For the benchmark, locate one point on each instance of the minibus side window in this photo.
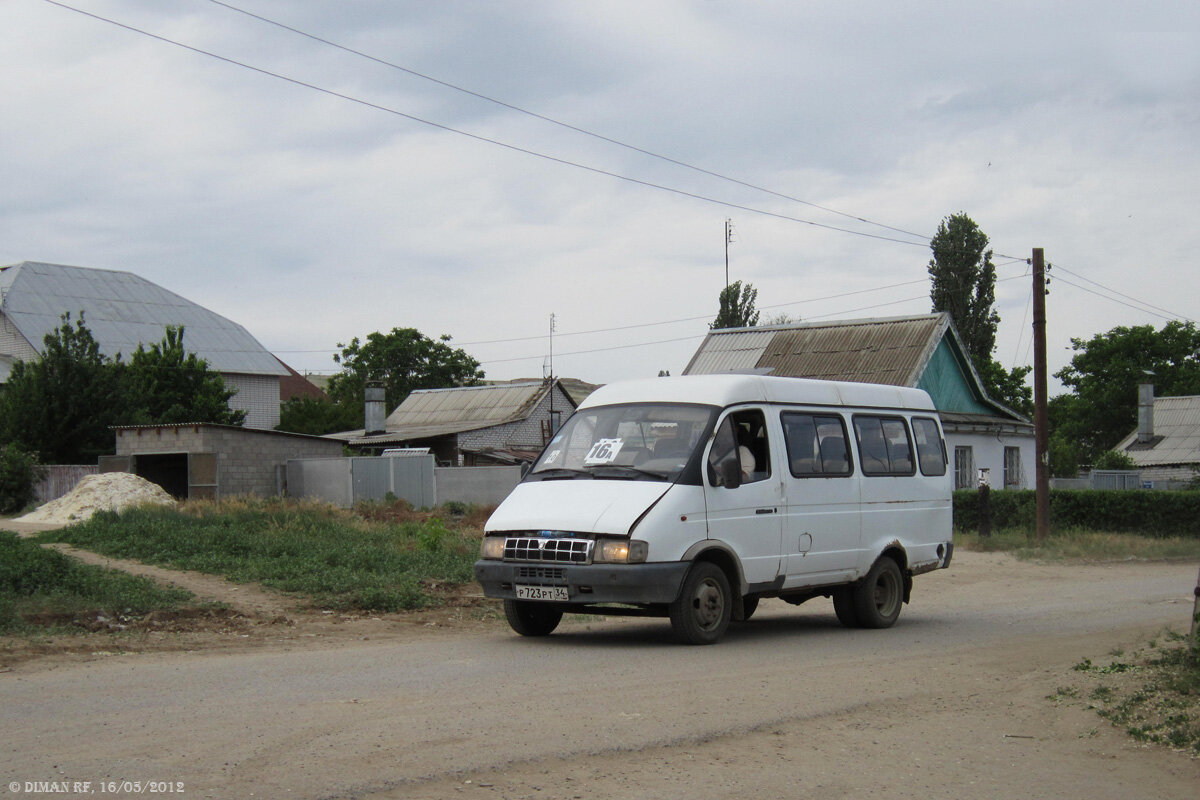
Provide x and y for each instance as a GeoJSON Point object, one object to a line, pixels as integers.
{"type": "Point", "coordinates": [929, 446]}
{"type": "Point", "coordinates": [816, 444]}
{"type": "Point", "coordinates": [883, 446]}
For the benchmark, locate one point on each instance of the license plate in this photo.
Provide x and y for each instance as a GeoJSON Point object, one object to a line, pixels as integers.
{"type": "Point", "coordinates": [552, 593]}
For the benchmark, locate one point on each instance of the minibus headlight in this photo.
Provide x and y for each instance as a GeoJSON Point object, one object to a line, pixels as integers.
{"type": "Point", "coordinates": [492, 548]}
{"type": "Point", "coordinates": [619, 551]}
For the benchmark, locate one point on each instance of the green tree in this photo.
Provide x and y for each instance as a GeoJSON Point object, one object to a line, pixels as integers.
{"type": "Point", "coordinates": [736, 307]}
{"type": "Point", "coordinates": [61, 405]}
{"type": "Point", "coordinates": [963, 283]}
{"type": "Point", "coordinates": [165, 384]}
{"type": "Point", "coordinates": [318, 416]}
{"type": "Point", "coordinates": [19, 475]}
{"type": "Point", "coordinates": [402, 360]}
{"type": "Point", "coordinates": [1114, 459]}
{"type": "Point", "coordinates": [1104, 374]}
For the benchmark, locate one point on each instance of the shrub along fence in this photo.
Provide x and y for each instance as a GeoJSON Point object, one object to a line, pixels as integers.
{"type": "Point", "coordinates": [1143, 512]}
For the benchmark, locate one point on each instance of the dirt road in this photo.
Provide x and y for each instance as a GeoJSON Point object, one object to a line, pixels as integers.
{"type": "Point", "coordinates": [951, 703]}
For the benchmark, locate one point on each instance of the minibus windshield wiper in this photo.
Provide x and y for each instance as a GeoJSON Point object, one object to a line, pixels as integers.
{"type": "Point", "coordinates": [562, 473]}
{"type": "Point", "coordinates": [625, 471]}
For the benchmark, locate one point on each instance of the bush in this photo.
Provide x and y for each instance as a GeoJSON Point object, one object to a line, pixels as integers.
{"type": "Point", "coordinates": [1143, 512]}
{"type": "Point", "coordinates": [1114, 459]}
{"type": "Point", "coordinates": [19, 474]}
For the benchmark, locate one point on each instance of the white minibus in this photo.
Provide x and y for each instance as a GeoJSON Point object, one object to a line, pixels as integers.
{"type": "Point", "coordinates": [696, 497]}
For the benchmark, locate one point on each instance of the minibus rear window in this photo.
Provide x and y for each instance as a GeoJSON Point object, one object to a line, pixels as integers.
{"type": "Point", "coordinates": [929, 446]}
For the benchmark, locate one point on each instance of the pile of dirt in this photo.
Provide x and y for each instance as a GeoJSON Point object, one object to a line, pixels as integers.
{"type": "Point", "coordinates": [108, 491]}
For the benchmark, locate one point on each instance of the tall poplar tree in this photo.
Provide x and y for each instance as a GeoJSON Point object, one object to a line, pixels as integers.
{"type": "Point", "coordinates": [963, 283]}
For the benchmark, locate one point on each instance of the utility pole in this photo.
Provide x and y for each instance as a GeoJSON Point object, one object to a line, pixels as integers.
{"type": "Point", "coordinates": [552, 374]}
{"type": "Point", "coordinates": [728, 240]}
{"type": "Point", "coordinates": [1041, 419]}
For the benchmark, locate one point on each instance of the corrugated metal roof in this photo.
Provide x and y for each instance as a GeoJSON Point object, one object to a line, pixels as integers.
{"type": "Point", "coordinates": [123, 310]}
{"type": "Point", "coordinates": [477, 406]}
{"type": "Point", "coordinates": [1177, 422]}
{"type": "Point", "coordinates": [891, 351]}
{"type": "Point", "coordinates": [428, 413]}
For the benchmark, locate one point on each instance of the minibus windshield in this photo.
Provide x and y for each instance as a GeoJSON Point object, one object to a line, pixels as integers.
{"type": "Point", "coordinates": [637, 441]}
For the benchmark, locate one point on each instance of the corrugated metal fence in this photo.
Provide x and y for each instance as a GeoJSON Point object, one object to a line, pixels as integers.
{"type": "Point", "coordinates": [346, 481]}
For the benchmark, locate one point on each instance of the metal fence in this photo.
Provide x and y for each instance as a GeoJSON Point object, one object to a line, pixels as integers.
{"type": "Point", "coordinates": [346, 481]}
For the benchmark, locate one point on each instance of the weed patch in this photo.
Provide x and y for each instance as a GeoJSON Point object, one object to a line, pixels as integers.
{"type": "Point", "coordinates": [1154, 696]}
{"type": "Point", "coordinates": [1082, 545]}
{"type": "Point", "coordinates": [43, 589]}
{"type": "Point", "coordinates": [384, 558]}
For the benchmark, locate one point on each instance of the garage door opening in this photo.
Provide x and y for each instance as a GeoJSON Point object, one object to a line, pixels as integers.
{"type": "Point", "coordinates": [168, 470]}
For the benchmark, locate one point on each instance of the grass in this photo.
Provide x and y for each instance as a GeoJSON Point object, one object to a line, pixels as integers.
{"type": "Point", "coordinates": [381, 557]}
{"type": "Point", "coordinates": [1153, 696]}
{"type": "Point", "coordinates": [44, 590]}
{"type": "Point", "coordinates": [1082, 545]}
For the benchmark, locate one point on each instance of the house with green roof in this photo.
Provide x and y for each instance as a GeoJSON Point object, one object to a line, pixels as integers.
{"type": "Point", "coordinates": [922, 351]}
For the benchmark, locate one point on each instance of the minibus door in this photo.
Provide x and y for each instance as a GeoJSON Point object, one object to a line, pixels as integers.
{"type": "Point", "coordinates": [743, 494]}
{"type": "Point", "coordinates": [822, 523]}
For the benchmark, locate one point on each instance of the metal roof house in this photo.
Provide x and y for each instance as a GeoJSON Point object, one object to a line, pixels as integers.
{"type": "Point", "coordinates": [1166, 444]}
{"type": "Point", "coordinates": [474, 425]}
{"type": "Point", "coordinates": [123, 310]}
{"type": "Point", "coordinates": [922, 351]}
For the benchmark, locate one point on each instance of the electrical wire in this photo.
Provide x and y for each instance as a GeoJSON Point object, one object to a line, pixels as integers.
{"type": "Point", "coordinates": [484, 139]}
{"type": "Point", "coordinates": [1173, 315]}
{"type": "Point", "coordinates": [560, 123]}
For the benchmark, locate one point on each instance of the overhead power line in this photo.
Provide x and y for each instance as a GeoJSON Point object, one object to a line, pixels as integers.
{"type": "Point", "coordinates": [561, 124]}
{"type": "Point", "coordinates": [480, 138]}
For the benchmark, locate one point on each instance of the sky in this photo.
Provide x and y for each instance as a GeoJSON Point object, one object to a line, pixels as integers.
{"type": "Point", "coordinates": [314, 194]}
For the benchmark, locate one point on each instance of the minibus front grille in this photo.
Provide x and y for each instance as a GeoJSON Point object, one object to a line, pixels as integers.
{"type": "Point", "coordinates": [548, 575]}
{"type": "Point", "coordinates": [568, 551]}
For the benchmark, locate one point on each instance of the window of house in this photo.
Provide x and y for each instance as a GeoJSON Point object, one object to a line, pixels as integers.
{"type": "Point", "coordinates": [929, 446]}
{"type": "Point", "coordinates": [816, 444]}
{"type": "Point", "coordinates": [883, 445]}
{"type": "Point", "coordinates": [1013, 479]}
{"type": "Point", "coordinates": [964, 468]}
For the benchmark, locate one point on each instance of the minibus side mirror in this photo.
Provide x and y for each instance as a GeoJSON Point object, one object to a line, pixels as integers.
{"type": "Point", "coordinates": [731, 473]}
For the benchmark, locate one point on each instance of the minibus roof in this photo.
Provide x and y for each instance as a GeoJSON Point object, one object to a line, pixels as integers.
{"type": "Point", "coordinates": [728, 390]}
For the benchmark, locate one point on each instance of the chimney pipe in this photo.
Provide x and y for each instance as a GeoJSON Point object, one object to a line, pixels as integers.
{"type": "Point", "coordinates": [1145, 431]}
{"type": "Point", "coordinates": [376, 409]}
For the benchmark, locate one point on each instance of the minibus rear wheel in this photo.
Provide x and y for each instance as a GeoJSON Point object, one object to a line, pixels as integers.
{"type": "Point", "coordinates": [532, 619]}
{"type": "Point", "coordinates": [701, 612]}
{"type": "Point", "coordinates": [877, 600]}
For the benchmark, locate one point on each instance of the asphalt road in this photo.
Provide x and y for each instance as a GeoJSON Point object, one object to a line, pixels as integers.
{"type": "Point", "coordinates": [949, 703]}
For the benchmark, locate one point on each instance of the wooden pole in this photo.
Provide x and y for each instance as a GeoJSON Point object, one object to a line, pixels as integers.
{"type": "Point", "coordinates": [1041, 420]}
{"type": "Point", "coordinates": [1196, 615]}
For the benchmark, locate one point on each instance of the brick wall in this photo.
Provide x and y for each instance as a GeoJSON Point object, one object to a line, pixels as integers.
{"type": "Point", "coordinates": [258, 396]}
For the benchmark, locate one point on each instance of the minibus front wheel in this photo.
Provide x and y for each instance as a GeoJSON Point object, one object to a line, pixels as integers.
{"type": "Point", "coordinates": [701, 612]}
{"type": "Point", "coordinates": [532, 619]}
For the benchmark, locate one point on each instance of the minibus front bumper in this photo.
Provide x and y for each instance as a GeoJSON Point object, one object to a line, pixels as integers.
{"type": "Point", "coordinates": [586, 583]}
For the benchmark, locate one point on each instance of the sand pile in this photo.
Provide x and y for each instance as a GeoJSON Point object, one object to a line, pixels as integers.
{"type": "Point", "coordinates": [108, 491]}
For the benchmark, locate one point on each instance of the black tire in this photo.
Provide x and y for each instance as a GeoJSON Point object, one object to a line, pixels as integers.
{"type": "Point", "coordinates": [749, 606]}
{"type": "Point", "coordinates": [701, 613]}
{"type": "Point", "coordinates": [878, 599]}
{"type": "Point", "coordinates": [532, 619]}
{"type": "Point", "coordinates": [843, 606]}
